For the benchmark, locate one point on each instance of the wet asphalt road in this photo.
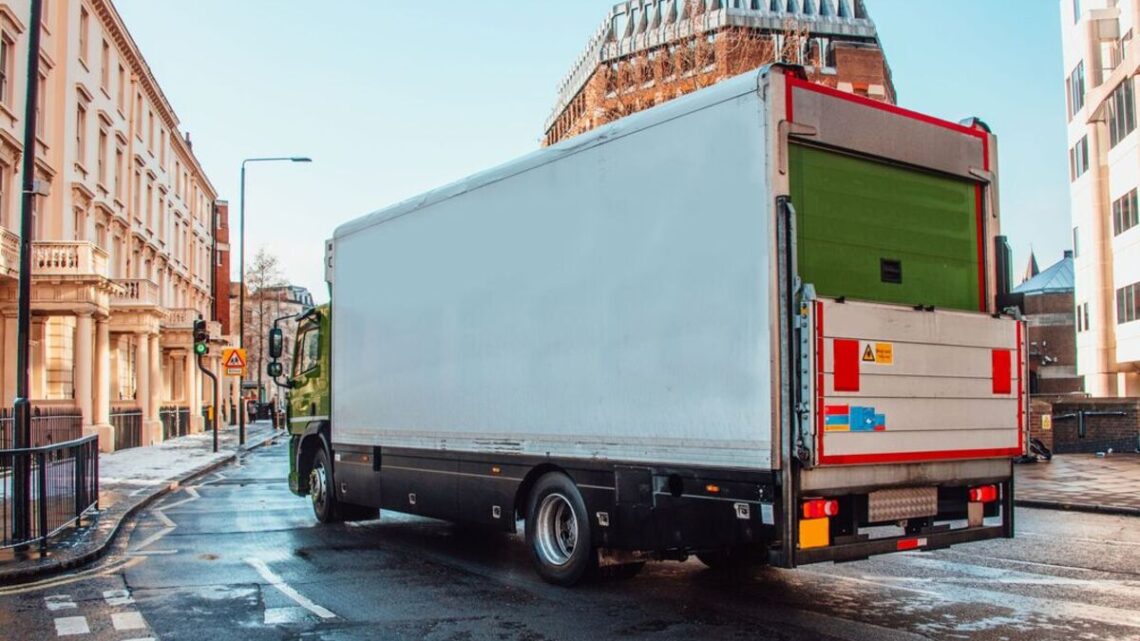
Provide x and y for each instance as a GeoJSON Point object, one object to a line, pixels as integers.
{"type": "Point", "coordinates": [236, 556]}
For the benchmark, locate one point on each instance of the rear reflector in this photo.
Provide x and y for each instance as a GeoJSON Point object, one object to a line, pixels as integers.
{"type": "Point", "coordinates": [983, 494]}
{"type": "Point", "coordinates": [1002, 371]}
{"type": "Point", "coordinates": [820, 508]}
{"type": "Point", "coordinates": [910, 544]}
{"type": "Point", "coordinates": [846, 354]}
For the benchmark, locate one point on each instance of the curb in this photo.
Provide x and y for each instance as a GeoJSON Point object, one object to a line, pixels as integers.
{"type": "Point", "coordinates": [1078, 507]}
{"type": "Point", "coordinates": [56, 566]}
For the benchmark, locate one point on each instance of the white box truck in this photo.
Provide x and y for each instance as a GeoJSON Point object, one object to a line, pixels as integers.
{"type": "Point", "coordinates": [754, 324]}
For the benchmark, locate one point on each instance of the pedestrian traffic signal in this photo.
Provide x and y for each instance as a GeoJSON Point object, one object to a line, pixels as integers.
{"type": "Point", "coordinates": [201, 337]}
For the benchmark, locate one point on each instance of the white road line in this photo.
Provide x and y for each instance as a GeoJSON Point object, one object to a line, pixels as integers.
{"type": "Point", "coordinates": [175, 504]}
{"type": "Point", "coordinates": [288, 590]}
{"type": "Point", "coordinates": [118, 597]}
{"type": "Point", "coordinates": [152, 538]}
{"type": "Point", "coordinates": [70, 626]}
{"type": "Point", "coordinates": [152, 552]}
{"type": "Point", "coordinates": [161, 516]}
{"type": "Point", "coordinates": [192, 491]}
{"type": "Point", "coordinates": [59, 602]}
{"type": "Point", "coordinates": [128, 621]}
{"type": "Point", "coordinates": [111, 568]}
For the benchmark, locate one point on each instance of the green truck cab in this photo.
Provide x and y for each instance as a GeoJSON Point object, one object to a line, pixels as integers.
{"type": "Point", "coordinates": [307, 411]}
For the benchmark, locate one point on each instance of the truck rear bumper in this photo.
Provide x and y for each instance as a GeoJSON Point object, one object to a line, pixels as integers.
{"type": "Point", "coordinates": [935, 540]}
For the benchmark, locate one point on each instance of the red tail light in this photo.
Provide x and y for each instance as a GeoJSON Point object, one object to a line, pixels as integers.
{"type": "Point", "coordinates": [984, 494]}
{"type": "Point", "coordinates": [820, 508]}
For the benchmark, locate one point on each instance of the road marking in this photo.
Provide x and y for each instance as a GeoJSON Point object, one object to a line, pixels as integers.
{"type": "Point", "coordinates": [127, 620]}
{"type": "Point", "coordinates": [112, 568]}
{"type": "Point", "coordinates": [59, 602]}
{"type": "Point", "coordinates": [118, 597]}
{"type": "Point", "coordinates": [192, 491]}
{"type": "Point", "coordinates": [287, 590]}
{"type": "Point", "coordinates": [71, 626]}
{"type": "Point", "coordinates": [154, 537]}
{"type": "Point", "coordinates": [161, 516]}
{"type": "Point", "coordinates": [277, 616]}
{"type": "Point", "coordinates": [152, 552]}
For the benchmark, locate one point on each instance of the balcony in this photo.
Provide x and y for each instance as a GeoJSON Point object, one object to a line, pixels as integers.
{"type": "Point", "coordinates": [68, 259]}
{"type": "Point", "coordinates": [9, 254]}
{"type": "Point", "coordinates": [136, 293]}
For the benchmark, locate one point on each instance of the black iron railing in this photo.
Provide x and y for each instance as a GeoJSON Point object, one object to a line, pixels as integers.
{"type": "Point", "coordinates": [49, 425]}
{"type": "Point", "coordinates": [128, 427]}
{"type": "Point", "coordinates": [175, 421]}
{"type": "Point", "coordinates": [62, 482]}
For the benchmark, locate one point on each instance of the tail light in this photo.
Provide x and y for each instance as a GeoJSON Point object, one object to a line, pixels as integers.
{"type": "Point", "coordinates": [983, 494]}
{"type": "Point", "coordinates": [820, 508]}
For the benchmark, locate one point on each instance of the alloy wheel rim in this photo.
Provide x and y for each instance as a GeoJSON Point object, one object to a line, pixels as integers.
{"type": "Point", "coordinates": [556, 529]}
{"type": "Point", "coordinates": [317, 486]}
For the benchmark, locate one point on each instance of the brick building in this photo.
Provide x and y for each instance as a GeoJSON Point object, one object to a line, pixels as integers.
{"type": "Point", "coordinates": [1046, 300]}
{"type": "Point", "coordinates": [649, 51]}
{"type": "Point", "coordinates": [222, 265]}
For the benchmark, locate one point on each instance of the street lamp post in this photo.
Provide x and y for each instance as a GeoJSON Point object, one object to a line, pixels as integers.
{"type": "Point", "coordinates": [241, 288]}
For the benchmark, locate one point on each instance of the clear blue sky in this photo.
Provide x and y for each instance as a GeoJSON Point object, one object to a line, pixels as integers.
{"type": "Point", "coordinates": [395, 98]}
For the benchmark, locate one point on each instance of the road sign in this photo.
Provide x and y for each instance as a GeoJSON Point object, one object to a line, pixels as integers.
{"type": "Point", "coordinates": [234, 361]}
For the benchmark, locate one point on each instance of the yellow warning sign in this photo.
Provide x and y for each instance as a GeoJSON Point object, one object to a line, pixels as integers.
{"type": "Point", "coordinates": [233, 359]}
{"type": "Point", "coordinates": [879, 353]}
{"type": "Point", "coordinates": [1046, 422]}
{"type": "Point", "coordinates": [885, 353]}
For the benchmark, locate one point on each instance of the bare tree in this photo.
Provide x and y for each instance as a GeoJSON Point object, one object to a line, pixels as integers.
{"type": "Point", "coordinates": [261, 277]}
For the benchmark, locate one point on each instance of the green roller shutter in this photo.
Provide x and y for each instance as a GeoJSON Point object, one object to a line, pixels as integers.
{"type": "Point", "coordinates": [872, 231]}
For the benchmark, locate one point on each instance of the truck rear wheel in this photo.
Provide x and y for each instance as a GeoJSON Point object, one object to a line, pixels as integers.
{"type": "Point", "coordinates": [558, 530]}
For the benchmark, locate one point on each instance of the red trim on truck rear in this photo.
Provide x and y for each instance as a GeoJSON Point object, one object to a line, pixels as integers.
{"type": "Point", "coordinates": [819, 375]}
{"type": "Point", "coordinates": [1001, 373]}
{"type": "Point", "coordinates": [979, 204]}
{"type": "Point", "coordinates": [1020, 393]}
{"type": "Point", "coordinates": [845, 353]}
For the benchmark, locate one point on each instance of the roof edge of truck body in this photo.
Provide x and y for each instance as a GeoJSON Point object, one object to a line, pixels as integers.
{"type": "Point", "coordinates": [721, 92]}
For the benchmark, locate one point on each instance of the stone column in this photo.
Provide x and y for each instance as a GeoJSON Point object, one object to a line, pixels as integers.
{"type": "Point", "coordinates": [155, 386]}
{"type": "Point", "coordinates": [143, 382]}
{"type": "Point", "coordinates": [83, 363]}
{"type": "Point", "coordinates": [193, 391]}
{"type": "Point", "coordinates": [37, 355]}
{"type": "Point", "coordinates": [9, 373]}
{"type": "Point", "coordinates": [102, 398]}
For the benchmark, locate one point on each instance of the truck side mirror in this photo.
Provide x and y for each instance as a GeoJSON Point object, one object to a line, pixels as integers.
{"type": "Point", "coordinates": [276, 343]}
{"type": "Point", "coordinates": [273, 369]}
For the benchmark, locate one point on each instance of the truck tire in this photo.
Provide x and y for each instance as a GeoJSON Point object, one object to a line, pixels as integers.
{"type": "Point", "coordinates": [321, 488]}
{"type": "Point", "coordinates": [558, 530]}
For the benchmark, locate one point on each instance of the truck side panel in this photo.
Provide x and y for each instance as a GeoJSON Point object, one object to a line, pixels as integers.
{"type": "Point", "coordinates": [611, 303]}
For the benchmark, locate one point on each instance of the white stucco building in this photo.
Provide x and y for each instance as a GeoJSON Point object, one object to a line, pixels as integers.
{"type": "Point", "coordinates": [1101, 61]}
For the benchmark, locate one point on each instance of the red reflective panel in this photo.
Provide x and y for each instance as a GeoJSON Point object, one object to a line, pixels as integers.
{"type": "Point", "coordinates": [1002, 371]}
{"type": "Point", "coordinates": [846, 365]}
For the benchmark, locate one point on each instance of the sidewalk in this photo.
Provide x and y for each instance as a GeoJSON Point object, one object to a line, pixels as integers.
{"type": "Point", "coordinates": [128, 481]}
{"type": "Point", "coordinates": [1081, 482]}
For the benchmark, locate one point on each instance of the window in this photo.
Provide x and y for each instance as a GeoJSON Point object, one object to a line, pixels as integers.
{"type": "Point", "coordinates": [41, 100]}
{"type": "Point", "coordinates": [1076, 11]}
{"type": "Point", "coordinates": [5, 70]}
{"type": "Point", "coordinates": [1076, 242]}
{"type": "Point", "coordinates": [81, 134]}
{"type": "Point", "coordinates": [101, 161]}
{"type": "Point", "coordinates": [1128, 304]}
{"type": "Point", "coordinates": [150, 130]}
{"type": "Point", "coordinates": [1079, 158]}
{"type": "Point", "coordinates": [120, 95]}
{"type": "Point", "coordinates": [1121, 113]}
{"type": "Point", "coordinates": [137, 196]}
{"type": "Point", "coordinates": [83, 20]}
{"type": "Point", "coordinates": [5, 191]}
{"type": "Point", "coordinates": [149, 206]}
{"type": "Point", "coordinates": [1082, 317]}
{"type": "Point", "coordinates": [105, 67]}
{"type": "Point", "coordinates": [119, 173]}
{"type": "Point", "coordinates": [308, 351]}
{"type": "Point", "coordinates": [1124, 213]}
{"type": "Point", "coordinates": [1076, 89]}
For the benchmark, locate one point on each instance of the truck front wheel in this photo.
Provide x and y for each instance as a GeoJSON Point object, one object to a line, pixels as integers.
{"type": "Point", "coordinates": [558, 530]}
{"type": "Point", "coordinates": [321, 488]}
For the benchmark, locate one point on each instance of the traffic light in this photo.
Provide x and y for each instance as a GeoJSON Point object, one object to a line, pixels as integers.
{"type": "Point", "coordinates": [201, 337]}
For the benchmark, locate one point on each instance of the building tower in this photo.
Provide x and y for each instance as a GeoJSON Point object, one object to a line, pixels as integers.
{"type": "Point", "coordinates": [649, 51]}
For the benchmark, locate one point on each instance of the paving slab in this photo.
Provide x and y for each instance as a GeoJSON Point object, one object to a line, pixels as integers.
{"type": "Point", "coordinates": [1082, 482]}
{"type": "Point", "coordinates": [128, 481]}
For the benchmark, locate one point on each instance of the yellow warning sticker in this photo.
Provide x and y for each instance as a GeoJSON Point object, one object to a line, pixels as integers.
{"type": "Point", "coordinates": [884, 353]}
{"type": "Point", "coordinates": [869, 354]}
